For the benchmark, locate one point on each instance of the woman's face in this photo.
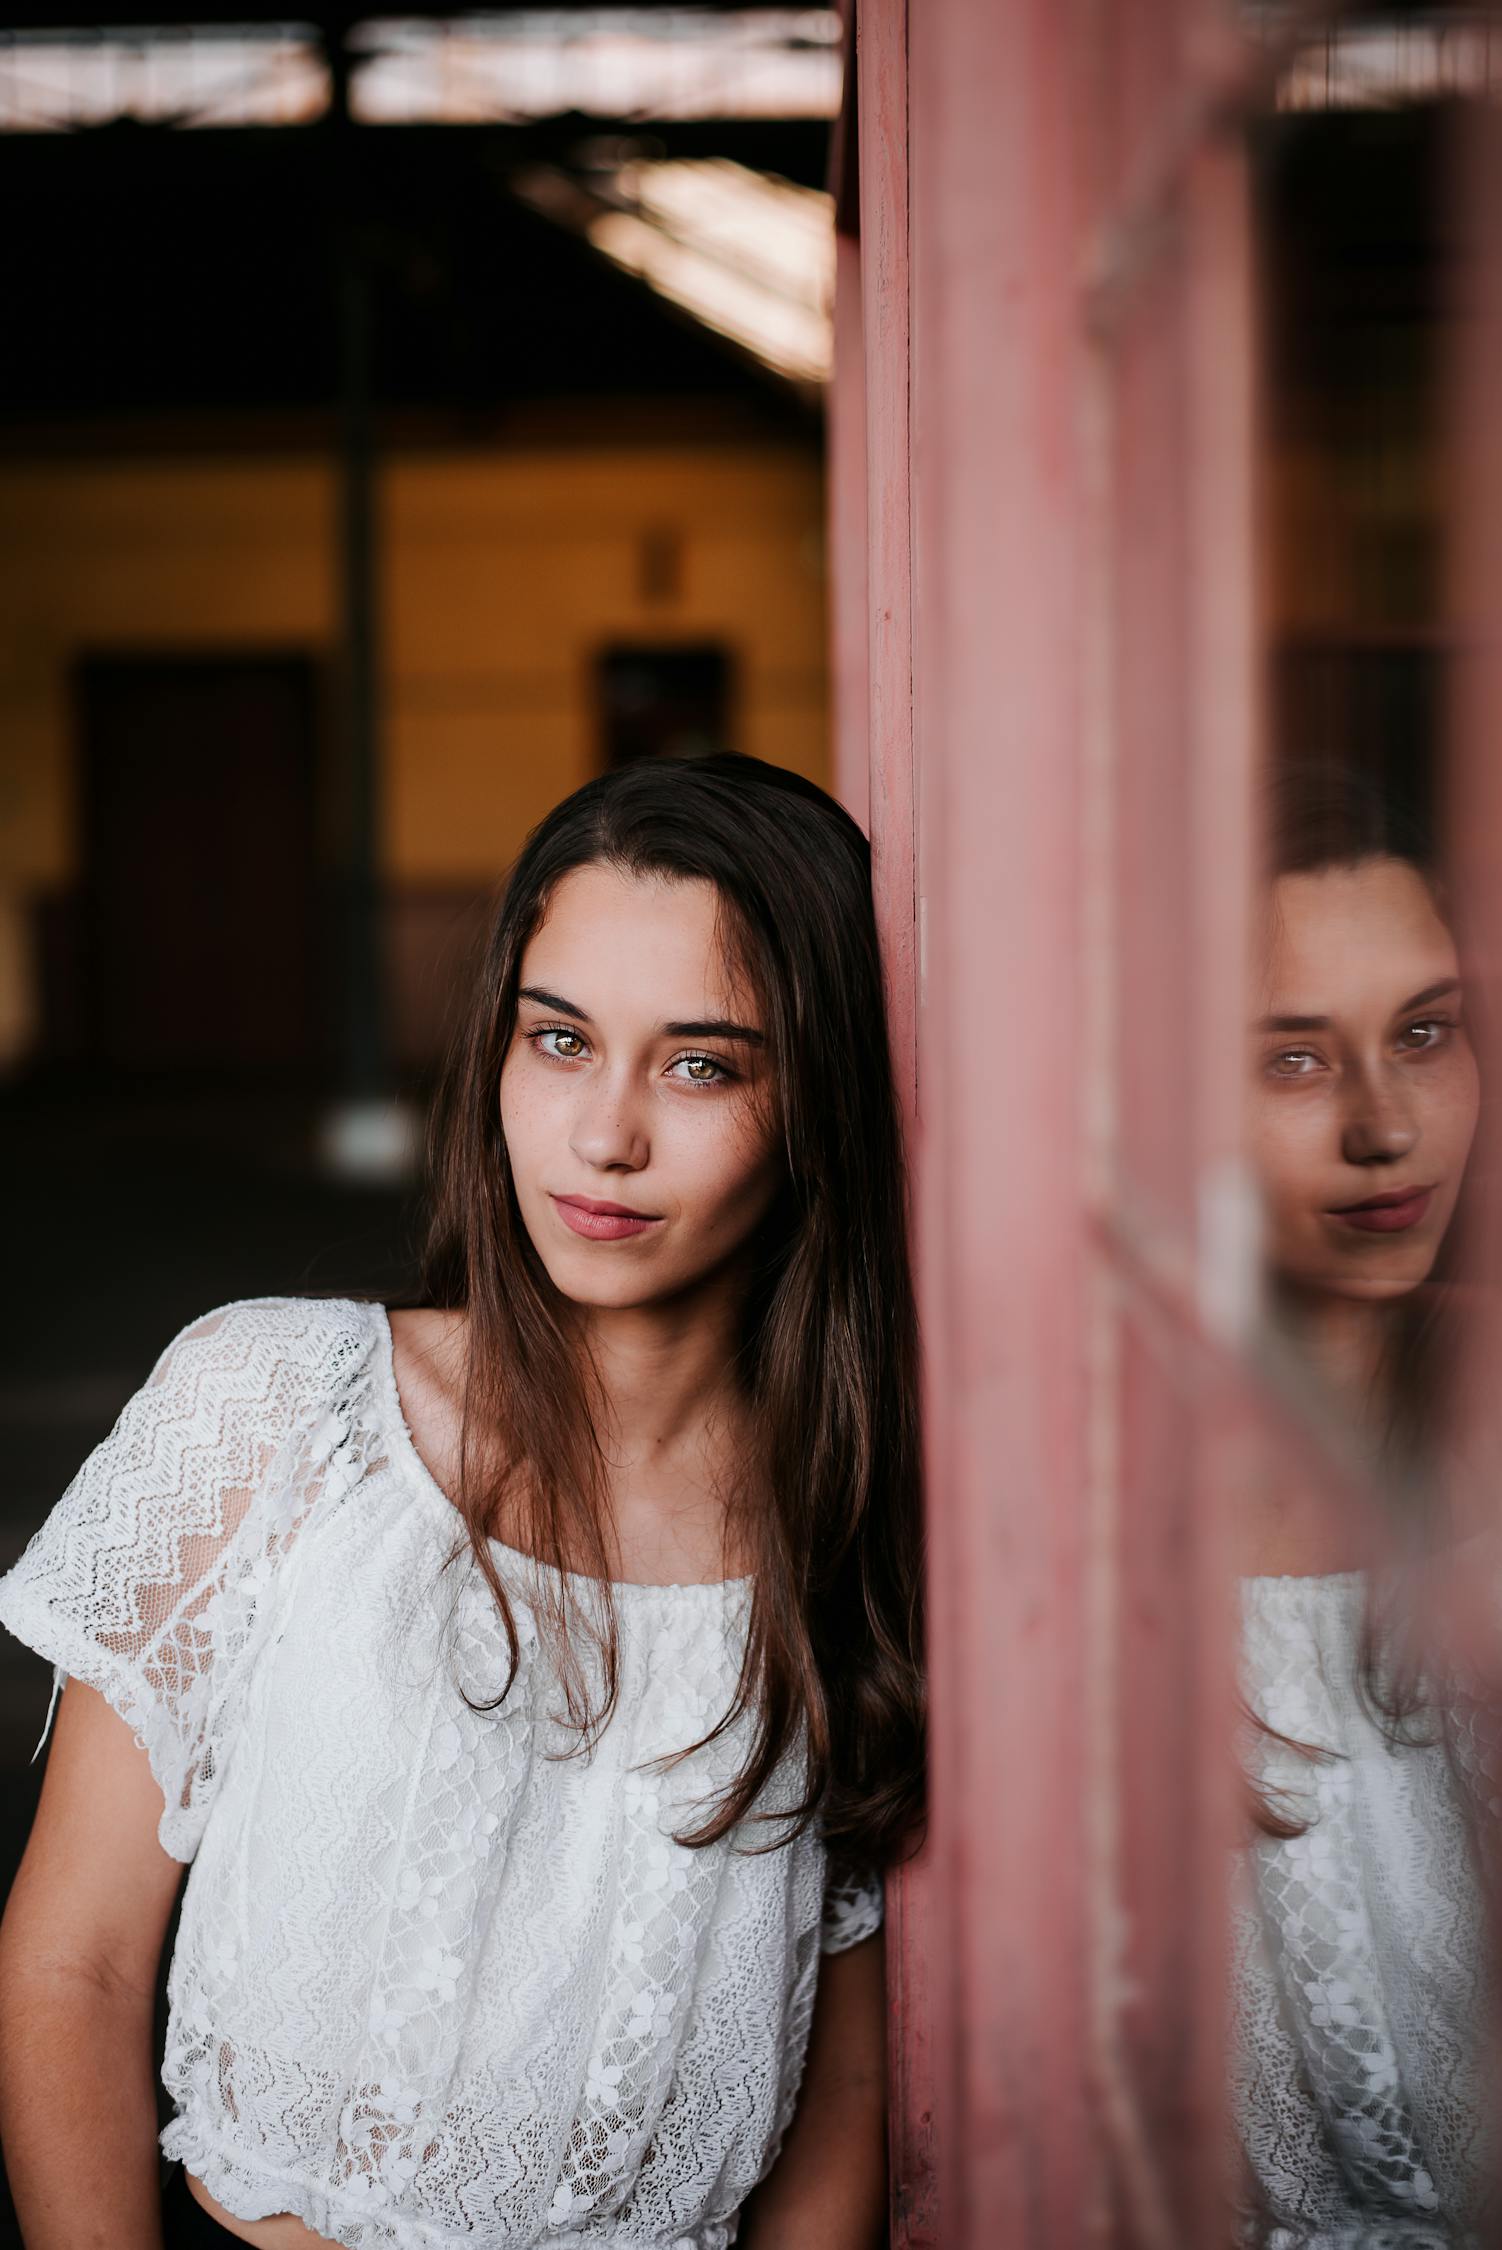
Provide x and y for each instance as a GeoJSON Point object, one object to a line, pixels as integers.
{"type": "Point", "coordinates": [634, 1097]}
{"type": "Point", "coordinates": [1364, 1089]}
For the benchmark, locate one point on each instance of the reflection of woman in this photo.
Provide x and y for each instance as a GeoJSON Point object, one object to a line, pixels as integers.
{"type": "Point", "coordinates": [1359, 1943]}
{"type": "Point", "coordinates": [514, 1669]}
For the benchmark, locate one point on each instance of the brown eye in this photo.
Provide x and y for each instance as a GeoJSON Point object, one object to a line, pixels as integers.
{"type": "Point", "coordinates": [558, 1041]}
{"type": "Point", "coordinates": [1431, 1031]}
{"type": "Point", "coordinates": [702, 1070]}
{"type": "Point", "coordinates": [1293, 1062]}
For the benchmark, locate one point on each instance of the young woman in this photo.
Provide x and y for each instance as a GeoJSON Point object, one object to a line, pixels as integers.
{"type": "Point", "coordinates": [1360, 1939]}
{"type": "Point", "coordinates": [530, 1675]}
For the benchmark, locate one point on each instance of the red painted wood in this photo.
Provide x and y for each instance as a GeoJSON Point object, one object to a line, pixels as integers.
{"type": "Point", "coordinates": [881, 59]}
{"type": "Point", "coordinates": [994, 247]}
{"type": "Point", "coordinates": [1058, 571]}
{"type": "Point", "coordinates": [850, 631]}
{"type": "Point", "coordinates": [914, 1910]}
{"type": "Point", "coordinates": [1224, 700]}
{"type": "Point", "coordinates": [1471, 801]}
{"type": "Point", "coordinates": [872, 388]}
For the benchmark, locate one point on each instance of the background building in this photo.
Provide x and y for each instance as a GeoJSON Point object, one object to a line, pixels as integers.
{"type": "Point", "coordinates": [546, 606]}
{"type": "Point", "coordinates": [387, 445]}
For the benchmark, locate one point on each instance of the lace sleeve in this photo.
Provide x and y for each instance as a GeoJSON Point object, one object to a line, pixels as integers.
{"type": "Point", "coordinates": [148, 1577]}
{"type": "Point", "coordinates": [853, 1908]}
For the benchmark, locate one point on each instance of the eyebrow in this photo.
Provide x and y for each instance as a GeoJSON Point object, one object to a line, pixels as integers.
{"type": "Point", "coordinates": [715, 1027]}
{"type": "Point", "coordinates": [1430, 993]}
{"type": "Point", "coordinates": [712, 1027]}
{"type": "Point", "coordinates": [555, 1001]}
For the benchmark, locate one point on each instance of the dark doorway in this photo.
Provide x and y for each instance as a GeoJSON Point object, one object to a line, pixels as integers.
{"type": "Point", "coordinates": [664, 702]}
{"type": "Point", "coordinates": [199, 951]}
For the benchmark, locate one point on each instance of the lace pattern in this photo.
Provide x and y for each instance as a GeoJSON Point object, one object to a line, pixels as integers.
{"type": "Point", "coordinates": [439, 1978]}
{"type": "Point", "coordinates": [1358, 1960]}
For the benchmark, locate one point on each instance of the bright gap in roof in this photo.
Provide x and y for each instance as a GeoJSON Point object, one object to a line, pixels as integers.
{"type": "Point", "coordinates": [208, 74]}
{"type": "Point", "coordinates": [750, 256]}
{"type": "Point", "coordinates": [1376, 58]}
{"type": "Point", "coordinates": [626, 63]}
{"type": "Point", "coordinates": [607, 62]}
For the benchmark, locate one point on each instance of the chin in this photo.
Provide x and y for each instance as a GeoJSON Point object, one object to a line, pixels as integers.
{"type": "Point", "coordinates": [604, 1292]}
{"type": "Point", "coordinates": [1376, 1292]}
{"type": "Point", "coordinates": [1374, 1288]}
{"type": "Point", "coordinates": [606, 1284]}
{"type": "Point", "coordinates": [1371, 1283]}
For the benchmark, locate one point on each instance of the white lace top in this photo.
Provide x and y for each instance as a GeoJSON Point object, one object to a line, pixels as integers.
{"type": "Point", "coordinates": [1359, 1961]}
{"type": "Point", "coordinates": [433, 1983]}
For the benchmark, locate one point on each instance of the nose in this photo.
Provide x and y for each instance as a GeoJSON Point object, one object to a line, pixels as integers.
{"type": "Point", "coordinates": [1379, 1126]}
{"type": "Point", "coordinates": [608, 1132]}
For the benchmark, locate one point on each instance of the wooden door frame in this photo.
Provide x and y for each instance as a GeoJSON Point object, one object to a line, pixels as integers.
{"type": "Point", "coordinates": [988, 243]}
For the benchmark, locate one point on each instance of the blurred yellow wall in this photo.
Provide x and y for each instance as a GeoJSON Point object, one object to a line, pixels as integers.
{"type": "Point", "coordinates": [503, 575]}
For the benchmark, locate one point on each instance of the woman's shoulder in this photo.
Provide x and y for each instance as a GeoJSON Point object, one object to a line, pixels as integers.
{"type": "Point", "coordinates": [312, 1331]}
{"type": "Point", "coordinates": [283, 1355]}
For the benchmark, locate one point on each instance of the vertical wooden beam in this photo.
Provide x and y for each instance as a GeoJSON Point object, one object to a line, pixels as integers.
{"type": "Point", "coordinates": [1057, 361]}
{"type": "Point", "coordinates": [849, 629]}
{"type": "Point", "coordinates": [881, 53]}
{"type": "Point", "coordinates": [1471, 798]}
{"type": "Point", "coordinates": [880, 108]}
{"type": "Point", "coordinates": [1224, 703]}
{"type": "Point", "coordinates": [362, 1001]}
{"type": "Point", "coordinates": [995, 243]}
{"type": "Point", "coordinates": [362, 1010]}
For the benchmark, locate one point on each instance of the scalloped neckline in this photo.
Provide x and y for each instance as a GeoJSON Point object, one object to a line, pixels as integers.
{"type": "Point", "coordinates": [518, 1556]}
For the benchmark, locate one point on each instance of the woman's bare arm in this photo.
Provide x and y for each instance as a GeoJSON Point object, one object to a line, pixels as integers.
{"type": "Point", "coordinates": [828, 2188]}
{"type": "Point", "coordinates": [80, 1946]}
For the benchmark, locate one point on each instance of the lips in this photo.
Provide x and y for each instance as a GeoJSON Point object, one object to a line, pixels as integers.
{"type": "Point", "coordinates": [602, 1222]}
{"type": "Point", "coordinates": [1392, 1213]}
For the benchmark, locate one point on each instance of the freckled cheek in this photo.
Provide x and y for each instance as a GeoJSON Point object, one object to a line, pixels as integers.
{"type": "Point", "coordinates": [1292, 1145]}
{"type": "Point", "coordinates": [1451, 1105]}
{"type": "Point", "coordinates": [532, 1118]}
{"type": "Point", "coordinates": [722, 1179]}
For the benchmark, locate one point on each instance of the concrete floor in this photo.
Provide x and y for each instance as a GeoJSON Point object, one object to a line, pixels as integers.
{"type": "Point", "coordinates": [126, 1219]}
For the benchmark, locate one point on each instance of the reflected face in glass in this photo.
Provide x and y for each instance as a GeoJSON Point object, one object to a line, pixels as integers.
{"type": "Point", "coordinates": [635, 1096]}
{"type": "Point", "coordinates": [1364, 1091]}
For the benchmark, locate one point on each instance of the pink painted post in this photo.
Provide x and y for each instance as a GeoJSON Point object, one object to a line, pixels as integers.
{"type": "Point", "coordinates": [1085, 714]}
{"type": "Point", "coordinates": [1058, 571]}
{"type": "Point", "coordinates": [883, 124]}
{"type": "Point", "coordinates": [881, 50]}
{"type": "Point", "coordinates": [1471, 797]}
{"type": "Point", "coordinates": [995, 244]}
{"type": "Point", "coordinates": [871, 547]}
{"type": "Point", "coordinates": [849, 652]}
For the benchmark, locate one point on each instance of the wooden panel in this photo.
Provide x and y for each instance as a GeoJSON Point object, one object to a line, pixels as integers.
{"type": "Point", "coordinates": [1055, 373]}
{"type": "Point", "coordinates": [995, 239]}
{"type": "Point", "coordinates": [876, 761]}
{"type": "Point", "coordinates": [849, 651]}
{"type": "Point", "coordinates": [881, 46]}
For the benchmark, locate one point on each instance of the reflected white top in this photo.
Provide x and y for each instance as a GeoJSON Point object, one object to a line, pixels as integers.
{"type": "Point", "coordinates": [1358, 1954]}
{"type": "Point", "coordinates": [433, 1983]}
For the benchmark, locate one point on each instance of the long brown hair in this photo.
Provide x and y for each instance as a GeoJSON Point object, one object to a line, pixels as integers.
{"type": "Point", "coordinates": [828, 1511]}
